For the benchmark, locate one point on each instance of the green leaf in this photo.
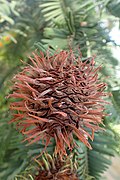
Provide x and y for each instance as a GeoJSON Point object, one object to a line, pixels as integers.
{"type": "Point", "coordinates": [114, 7]}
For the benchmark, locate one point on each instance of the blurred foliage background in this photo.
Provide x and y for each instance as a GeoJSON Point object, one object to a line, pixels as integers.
{"type": "Point", "coordinates": [26, 25]}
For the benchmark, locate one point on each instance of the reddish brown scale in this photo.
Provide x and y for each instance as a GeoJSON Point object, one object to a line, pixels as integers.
{"type": "Point", "coordinates": [58, 96]}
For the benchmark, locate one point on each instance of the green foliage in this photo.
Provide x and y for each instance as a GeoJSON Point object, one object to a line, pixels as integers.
{"type": "Point", "coordinates": [15, 155]}
{"type": "Point", "coordinates": [114, 7]}
{"type": "Point", "coordinates": [91, 163]}
{"type": "Point", "coordinates": [55, 25]}
{"type": "Point", "coordinates": [94, 162]}
{"type": "Point", "coordinates": [7, 11]}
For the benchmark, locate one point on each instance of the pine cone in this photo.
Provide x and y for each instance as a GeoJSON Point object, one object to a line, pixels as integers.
{"type": "Point", "coordinates": [56, 169]}
{"type": "Point", "coordinates": [58, 96]}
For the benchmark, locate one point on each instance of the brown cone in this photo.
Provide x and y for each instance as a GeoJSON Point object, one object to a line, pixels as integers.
{"type": "Point", "coordinates": [58, 96]}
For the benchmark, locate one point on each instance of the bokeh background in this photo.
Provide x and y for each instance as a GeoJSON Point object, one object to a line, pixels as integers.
{"type": "Point", "coordinates": [92, 25]}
